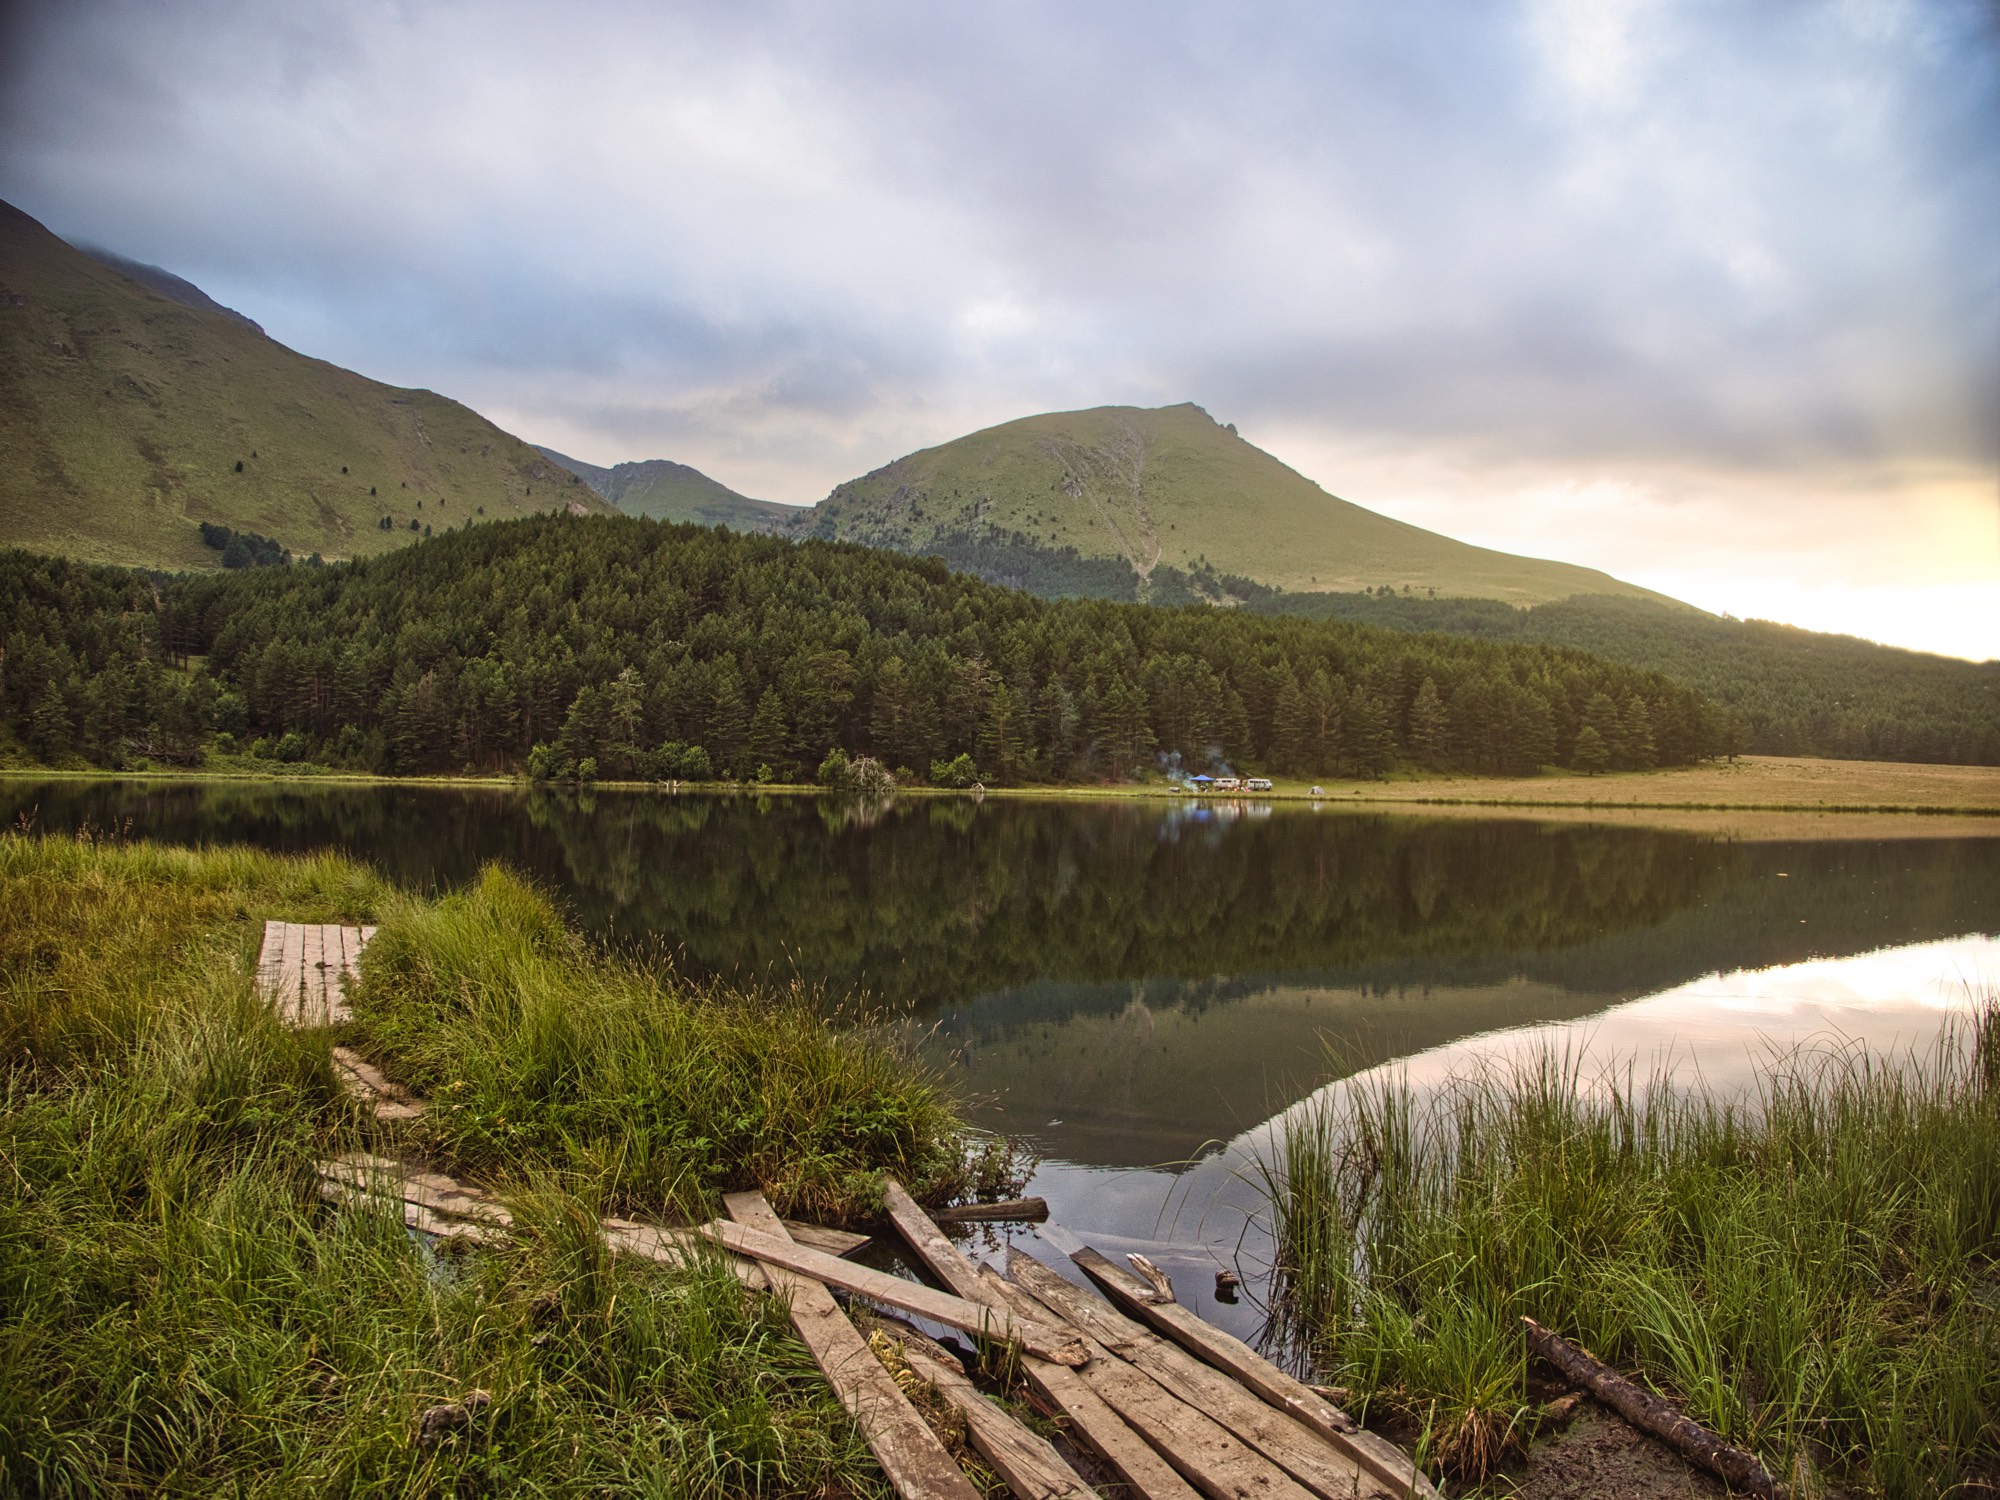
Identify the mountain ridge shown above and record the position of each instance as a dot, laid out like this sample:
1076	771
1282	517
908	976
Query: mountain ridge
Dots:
663	490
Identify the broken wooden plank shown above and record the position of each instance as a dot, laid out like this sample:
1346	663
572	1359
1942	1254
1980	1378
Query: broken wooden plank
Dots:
1026	1460
1204	1452
670	1248
933	1249
1308	1457
819	1237
940	1307
1008	1211
433	1190
1256	1374
910	1454
364	1082
1651	1413
416	1215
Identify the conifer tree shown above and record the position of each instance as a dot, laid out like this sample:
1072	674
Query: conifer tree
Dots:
1429	727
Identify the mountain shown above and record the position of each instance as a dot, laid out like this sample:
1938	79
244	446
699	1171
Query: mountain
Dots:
166	283
129	417
667	491
1119	499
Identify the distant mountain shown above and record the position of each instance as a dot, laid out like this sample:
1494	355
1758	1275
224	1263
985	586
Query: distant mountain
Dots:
166	283
1116	500
667	491
129	416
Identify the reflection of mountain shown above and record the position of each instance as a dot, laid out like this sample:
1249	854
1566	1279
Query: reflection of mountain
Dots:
1132	1075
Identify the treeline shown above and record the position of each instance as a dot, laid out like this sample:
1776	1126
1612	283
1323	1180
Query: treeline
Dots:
616	647
1794	692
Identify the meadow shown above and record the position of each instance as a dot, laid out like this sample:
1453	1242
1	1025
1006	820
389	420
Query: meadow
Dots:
179	1314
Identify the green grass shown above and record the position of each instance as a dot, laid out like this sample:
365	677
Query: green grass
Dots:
1811	1272
128	414
1169	486
180	1315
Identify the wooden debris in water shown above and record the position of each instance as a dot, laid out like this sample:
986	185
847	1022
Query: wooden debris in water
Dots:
1252	1372
1654	1414
832	1241
915	1462
1028	1462
1008	1211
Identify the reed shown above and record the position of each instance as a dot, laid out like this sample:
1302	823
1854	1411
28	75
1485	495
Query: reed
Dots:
180	1315
1812	1269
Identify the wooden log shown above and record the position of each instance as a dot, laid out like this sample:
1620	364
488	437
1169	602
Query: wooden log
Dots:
1144	1471
832	1241
1318	1464
940	1307
1008	1211
1149	1476
1027	1461
1654	1414
1257	1374
910	1454
1203	1451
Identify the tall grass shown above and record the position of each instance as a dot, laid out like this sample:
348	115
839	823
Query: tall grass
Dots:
179	1314
542	1056
1813	1270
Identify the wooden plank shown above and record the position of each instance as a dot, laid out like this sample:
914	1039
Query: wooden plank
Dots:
1009	1211
1149	1476
937	1253
1301	1452
832	1241
364	1082
1027	1461
312	1008
1247	1367
1204	1452
291	981
271	960
940	1307
336	975
433	1190
652	1242
416	1215
910	1454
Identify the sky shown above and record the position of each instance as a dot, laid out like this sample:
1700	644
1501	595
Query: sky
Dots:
1699	292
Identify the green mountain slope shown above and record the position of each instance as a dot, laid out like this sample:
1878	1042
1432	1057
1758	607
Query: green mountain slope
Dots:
1795	692
124	416
1161	489
663	490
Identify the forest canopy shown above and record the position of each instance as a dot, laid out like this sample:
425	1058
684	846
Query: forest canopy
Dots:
617	647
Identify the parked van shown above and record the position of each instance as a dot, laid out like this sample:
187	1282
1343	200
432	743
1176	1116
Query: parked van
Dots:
1257	784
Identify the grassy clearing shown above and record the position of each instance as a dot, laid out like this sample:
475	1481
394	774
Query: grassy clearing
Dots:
1812	1271
180	1315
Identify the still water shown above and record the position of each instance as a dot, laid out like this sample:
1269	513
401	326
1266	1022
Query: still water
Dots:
1137	989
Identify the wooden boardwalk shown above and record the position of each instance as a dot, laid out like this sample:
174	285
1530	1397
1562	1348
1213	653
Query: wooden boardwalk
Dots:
303	970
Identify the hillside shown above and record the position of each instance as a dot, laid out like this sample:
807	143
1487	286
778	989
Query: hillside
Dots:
128	418
1794	692
1046	501
662	490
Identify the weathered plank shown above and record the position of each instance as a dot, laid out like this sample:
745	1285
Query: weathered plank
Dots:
1255	1373
271	959
1149	1476
433	1190
1008	1211
1205	1453
819	1237
291	979
312	1006
416	1215
940	1307
910	1454
362	1081
1027	1461
1301	1452
669	1248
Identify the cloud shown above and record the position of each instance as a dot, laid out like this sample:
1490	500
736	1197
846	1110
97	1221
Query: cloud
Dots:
1557	244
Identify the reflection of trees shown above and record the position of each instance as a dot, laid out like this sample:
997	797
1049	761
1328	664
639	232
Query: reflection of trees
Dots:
939	900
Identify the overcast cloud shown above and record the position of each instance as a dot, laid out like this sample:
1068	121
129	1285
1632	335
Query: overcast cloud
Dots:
1705	294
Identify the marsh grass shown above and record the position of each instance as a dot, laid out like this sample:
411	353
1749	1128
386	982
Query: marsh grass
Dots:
1810	1270
180	1315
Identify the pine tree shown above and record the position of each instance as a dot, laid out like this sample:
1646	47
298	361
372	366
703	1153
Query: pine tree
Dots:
1290	727
764	745
1370	742
1637	723
1601	714
1323	728
1430	726
1591	754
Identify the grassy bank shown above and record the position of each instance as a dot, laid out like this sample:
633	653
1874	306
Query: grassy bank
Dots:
180	1315
1814	1272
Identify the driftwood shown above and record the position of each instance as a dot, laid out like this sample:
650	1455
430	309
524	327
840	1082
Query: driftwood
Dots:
1011	1211
1204	1341
910	1454
1654	1414
1311	1459
1030	1465
940	1307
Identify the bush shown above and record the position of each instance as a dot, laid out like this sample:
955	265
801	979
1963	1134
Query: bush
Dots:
958	773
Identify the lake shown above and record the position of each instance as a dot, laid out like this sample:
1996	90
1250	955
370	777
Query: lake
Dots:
1136	988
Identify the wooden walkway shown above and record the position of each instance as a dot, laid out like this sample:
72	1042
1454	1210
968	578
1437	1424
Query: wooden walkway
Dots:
1173	1406
303	970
